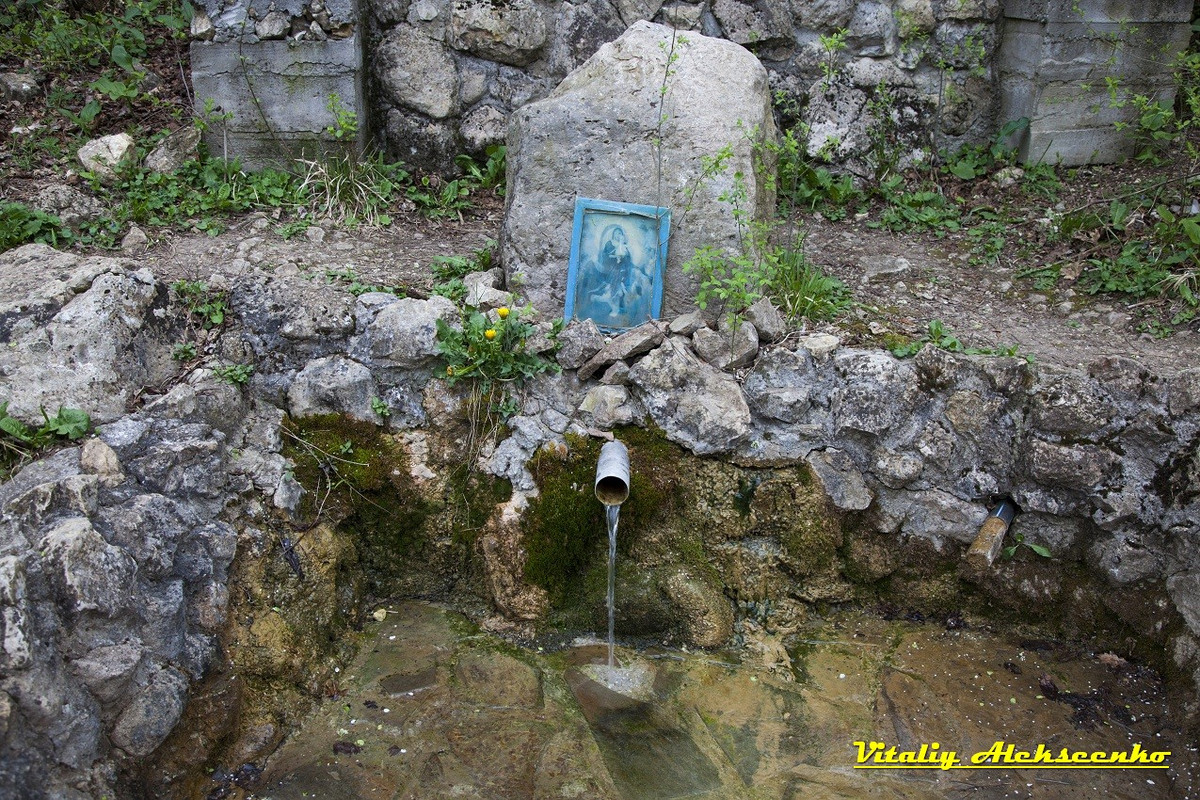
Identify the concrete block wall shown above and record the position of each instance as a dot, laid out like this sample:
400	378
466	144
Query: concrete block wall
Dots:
430	79
270	70
1055	62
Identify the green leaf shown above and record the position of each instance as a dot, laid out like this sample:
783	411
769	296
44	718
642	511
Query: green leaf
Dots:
963	170
1008	552
117	90
16	429
72	423
1192	229
89	112
1037	548
121	57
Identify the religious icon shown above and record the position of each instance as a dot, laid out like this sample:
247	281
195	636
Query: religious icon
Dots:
618	257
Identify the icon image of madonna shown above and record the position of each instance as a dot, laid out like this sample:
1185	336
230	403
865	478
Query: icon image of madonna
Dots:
614	286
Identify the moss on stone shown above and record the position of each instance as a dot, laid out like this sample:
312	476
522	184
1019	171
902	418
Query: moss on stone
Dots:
796	512
357	476
470	499
565	529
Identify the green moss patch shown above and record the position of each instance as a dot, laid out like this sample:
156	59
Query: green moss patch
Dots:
565	529
356	475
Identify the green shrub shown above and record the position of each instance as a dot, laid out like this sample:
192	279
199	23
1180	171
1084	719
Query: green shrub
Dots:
234	374
208	305
490	350
19	442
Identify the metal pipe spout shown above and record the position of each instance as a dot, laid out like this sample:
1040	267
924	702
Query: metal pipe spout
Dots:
612	474
990	539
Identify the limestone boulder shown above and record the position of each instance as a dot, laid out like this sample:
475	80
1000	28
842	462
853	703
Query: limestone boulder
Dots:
695	404
510	33
273	25
779	386
296	319
873	30
579	31
609	406
36	281
840	479
595	136
934	515
87	573
484	289
18	86
483	127
727	347
824	14
333	385
877	392
578	342
85	339
147	721
104	156
763	23
71	206
404	332
1070	404
1080	467
641	339
767	320
417	72
175	150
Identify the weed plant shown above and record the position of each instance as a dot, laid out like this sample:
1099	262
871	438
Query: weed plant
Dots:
939	336
43	31
19	443
20	224
802	291
490	349
234	374
207	305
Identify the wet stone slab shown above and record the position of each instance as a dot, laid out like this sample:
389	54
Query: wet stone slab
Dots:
433	708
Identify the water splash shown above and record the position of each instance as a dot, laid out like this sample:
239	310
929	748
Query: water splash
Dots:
613	513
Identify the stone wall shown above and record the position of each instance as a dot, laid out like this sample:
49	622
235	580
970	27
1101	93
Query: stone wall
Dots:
1056	59
269	74
877	82
479	60
126	610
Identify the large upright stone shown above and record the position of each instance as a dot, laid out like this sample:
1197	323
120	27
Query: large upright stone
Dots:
595	136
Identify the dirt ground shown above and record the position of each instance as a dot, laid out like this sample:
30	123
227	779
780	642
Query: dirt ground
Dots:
906	280
398	255
900	282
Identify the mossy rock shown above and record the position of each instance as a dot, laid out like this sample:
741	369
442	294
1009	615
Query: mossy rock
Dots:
356	475
565	528
791	508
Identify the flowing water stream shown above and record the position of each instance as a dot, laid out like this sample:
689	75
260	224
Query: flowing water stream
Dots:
613	516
